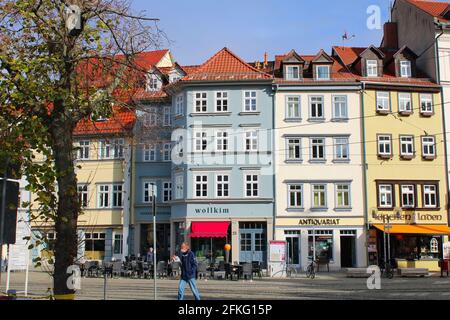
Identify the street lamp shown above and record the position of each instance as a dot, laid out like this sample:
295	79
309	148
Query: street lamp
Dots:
387	226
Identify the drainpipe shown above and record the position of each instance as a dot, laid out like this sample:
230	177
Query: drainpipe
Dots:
274	155
438	80
365	169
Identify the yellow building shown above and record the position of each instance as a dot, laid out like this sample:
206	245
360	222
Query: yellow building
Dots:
404	153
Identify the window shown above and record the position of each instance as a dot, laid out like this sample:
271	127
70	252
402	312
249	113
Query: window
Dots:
149	153
383	104
221	140
180	147
152	83
167	118
318	149
316	107
430	196
118	244
385	197
167	191
294	149
94	242
251	140
405	69
103	196
83	196
293	108
250	101
118	148
201	140
384	146
340	107
426	103
222	185
322	72
319	192
147	189
105	150
179	105
341	149
179	187
295	196
407	196
117	196
167	152
404	103
201	101
222	101
293	72
83	151
372	68
343	195
428	147
434	245
406	146
201	186
251	185
151	118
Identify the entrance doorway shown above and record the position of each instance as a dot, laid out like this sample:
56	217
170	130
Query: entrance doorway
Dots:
162	240
253	242
348	249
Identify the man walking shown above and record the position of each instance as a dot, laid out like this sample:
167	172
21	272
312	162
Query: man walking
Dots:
188	272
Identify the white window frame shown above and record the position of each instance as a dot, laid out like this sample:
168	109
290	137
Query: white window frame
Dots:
372	68
253	182
201	141
252	137
429	143
426	103
409	190
250	102
221	98
179	105
327	75
179	186
314	144
405	69
167	152
290	75
116	193
340	108
293	108
386	190
149	152
325	195
298	195
405	102
222	140
204	192
200	102
167	191
83	195
408	141
383	101
318	104
84	149
381	141
146	190
430	190
222	179
348	191
343	144
103	195
167	116
294	142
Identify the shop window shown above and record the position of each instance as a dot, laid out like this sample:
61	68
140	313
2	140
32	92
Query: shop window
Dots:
95	241
118	244
434	246
323	240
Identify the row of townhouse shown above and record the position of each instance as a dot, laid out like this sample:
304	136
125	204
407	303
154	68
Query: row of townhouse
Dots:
320	150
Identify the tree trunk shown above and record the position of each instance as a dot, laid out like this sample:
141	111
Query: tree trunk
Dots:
66	245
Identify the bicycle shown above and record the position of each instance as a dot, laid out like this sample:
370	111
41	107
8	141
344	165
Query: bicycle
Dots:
387	270
311	270
290	271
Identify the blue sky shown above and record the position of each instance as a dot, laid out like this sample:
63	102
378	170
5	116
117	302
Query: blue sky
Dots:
199	28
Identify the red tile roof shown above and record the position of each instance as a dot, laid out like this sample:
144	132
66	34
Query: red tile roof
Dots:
122	121
225	65
433	8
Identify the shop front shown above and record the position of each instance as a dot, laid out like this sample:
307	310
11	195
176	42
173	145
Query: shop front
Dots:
208	240
411	246
338	241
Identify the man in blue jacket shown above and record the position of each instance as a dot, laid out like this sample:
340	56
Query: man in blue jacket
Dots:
188	272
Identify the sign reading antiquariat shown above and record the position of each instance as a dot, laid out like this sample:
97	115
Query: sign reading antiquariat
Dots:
319	222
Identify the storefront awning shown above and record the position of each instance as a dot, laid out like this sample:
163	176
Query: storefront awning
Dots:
415	229
209	229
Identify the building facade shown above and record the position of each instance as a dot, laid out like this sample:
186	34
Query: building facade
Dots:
319	174
222	174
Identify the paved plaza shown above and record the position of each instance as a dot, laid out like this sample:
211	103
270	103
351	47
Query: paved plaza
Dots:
325	286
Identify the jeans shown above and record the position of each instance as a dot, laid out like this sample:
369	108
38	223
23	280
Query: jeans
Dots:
182	286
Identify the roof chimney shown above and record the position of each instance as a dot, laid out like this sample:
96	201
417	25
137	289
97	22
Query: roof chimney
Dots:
266	59
390	39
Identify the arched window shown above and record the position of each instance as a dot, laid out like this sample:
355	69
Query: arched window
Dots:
434	245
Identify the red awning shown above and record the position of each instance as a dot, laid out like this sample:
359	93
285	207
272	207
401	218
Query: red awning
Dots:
209	229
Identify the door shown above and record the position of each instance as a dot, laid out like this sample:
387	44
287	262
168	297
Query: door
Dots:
293	251
347	252
253	242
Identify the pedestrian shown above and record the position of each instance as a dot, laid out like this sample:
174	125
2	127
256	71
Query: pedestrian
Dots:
188	272
149	255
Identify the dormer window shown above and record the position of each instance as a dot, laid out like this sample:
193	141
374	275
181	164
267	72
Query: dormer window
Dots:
323	72
152	83
292	73
405	69
372	68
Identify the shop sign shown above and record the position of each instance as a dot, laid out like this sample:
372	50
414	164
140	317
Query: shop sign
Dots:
446	247
319	222
212	210
410	217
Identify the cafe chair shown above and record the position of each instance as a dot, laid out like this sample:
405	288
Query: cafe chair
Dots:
247	271
176	269
202	270
161	269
